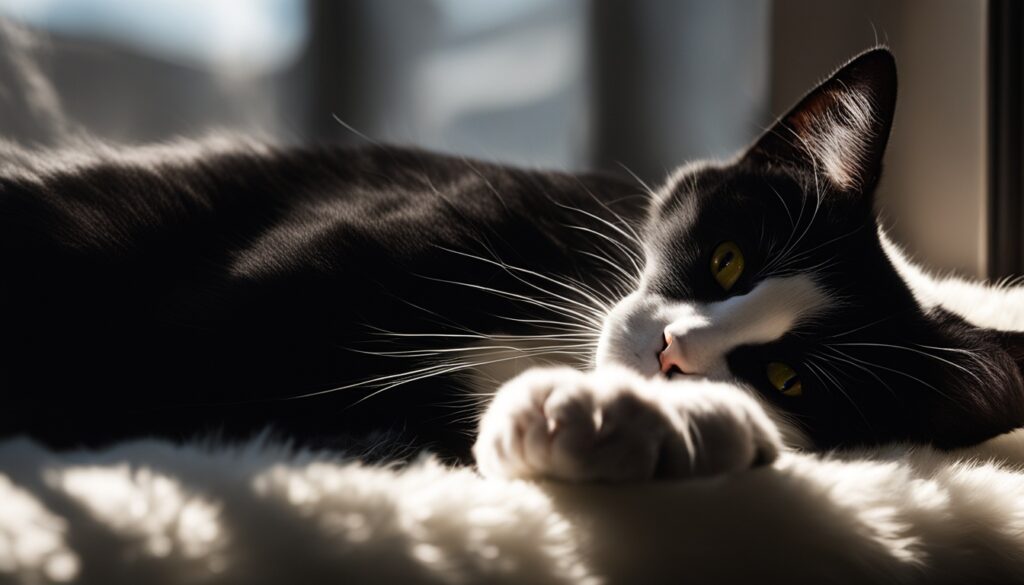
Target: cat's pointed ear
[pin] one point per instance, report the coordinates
(838, 130)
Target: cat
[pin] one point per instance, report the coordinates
(772, 311)
(224, 286)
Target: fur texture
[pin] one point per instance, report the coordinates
(157, 513)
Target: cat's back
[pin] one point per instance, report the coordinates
(171, 277)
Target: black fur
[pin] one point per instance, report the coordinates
(189, 289)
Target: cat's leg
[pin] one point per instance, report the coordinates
(614, 425)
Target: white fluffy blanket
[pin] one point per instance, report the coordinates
(149, 513)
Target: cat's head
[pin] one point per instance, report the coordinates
(770, 269)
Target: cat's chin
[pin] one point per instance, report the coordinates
(615, 425)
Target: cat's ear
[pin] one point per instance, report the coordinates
(838, 130)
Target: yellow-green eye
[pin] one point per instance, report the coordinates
(784, 379)
(727, 264)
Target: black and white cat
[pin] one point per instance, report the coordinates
(771, 310)
(226, 286)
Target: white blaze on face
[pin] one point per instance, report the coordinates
(634, 332)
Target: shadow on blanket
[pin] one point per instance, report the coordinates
(150, 512)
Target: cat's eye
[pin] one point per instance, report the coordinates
(727, 264)
(784, 379)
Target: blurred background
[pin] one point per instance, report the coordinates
(642, 85)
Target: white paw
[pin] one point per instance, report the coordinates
(613, 425)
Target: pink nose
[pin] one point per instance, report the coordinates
(673, 356)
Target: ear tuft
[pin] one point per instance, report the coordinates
(836, 132)
(840, 128)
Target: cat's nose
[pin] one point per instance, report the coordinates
(673, 356)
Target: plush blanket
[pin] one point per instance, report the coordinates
(151, 512)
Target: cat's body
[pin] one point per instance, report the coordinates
(193, 288)
(179, 290)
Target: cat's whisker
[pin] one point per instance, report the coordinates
(830, 241)
(511, 270)
(631, 256)
(812, 365)
(363, 383)
(969, 352)
(628, 252)
(836, 356)
(481, 336)
(395, 380)
(807, 228)
(621, 221)
(547, 329)
(592, 319)
(620, 270)
(820, 268)
(493, 350)
(784, 205)
(504, 339)
(894, 371)
(794, 259)
(637, 178)
(471, 349)
(789, 247)
(496, 258)
(629, 236)
(576, 285)
(917, 351)
(976, 357)
(470, 334)
(781, 256)
(549, 324)
(435, 371)
(861, 328)
(583, 290)
(430, 371)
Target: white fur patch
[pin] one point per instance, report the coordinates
(992, 306)
(634, 330)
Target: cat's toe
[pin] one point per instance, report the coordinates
(516, 434)
(614, 435)
(563, 424)
(723, 430)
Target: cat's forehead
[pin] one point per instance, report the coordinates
(709, 201)
(737, 200)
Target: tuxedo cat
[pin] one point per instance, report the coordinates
(223, 287)
(770, 310)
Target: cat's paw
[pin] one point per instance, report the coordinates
(613, 425)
